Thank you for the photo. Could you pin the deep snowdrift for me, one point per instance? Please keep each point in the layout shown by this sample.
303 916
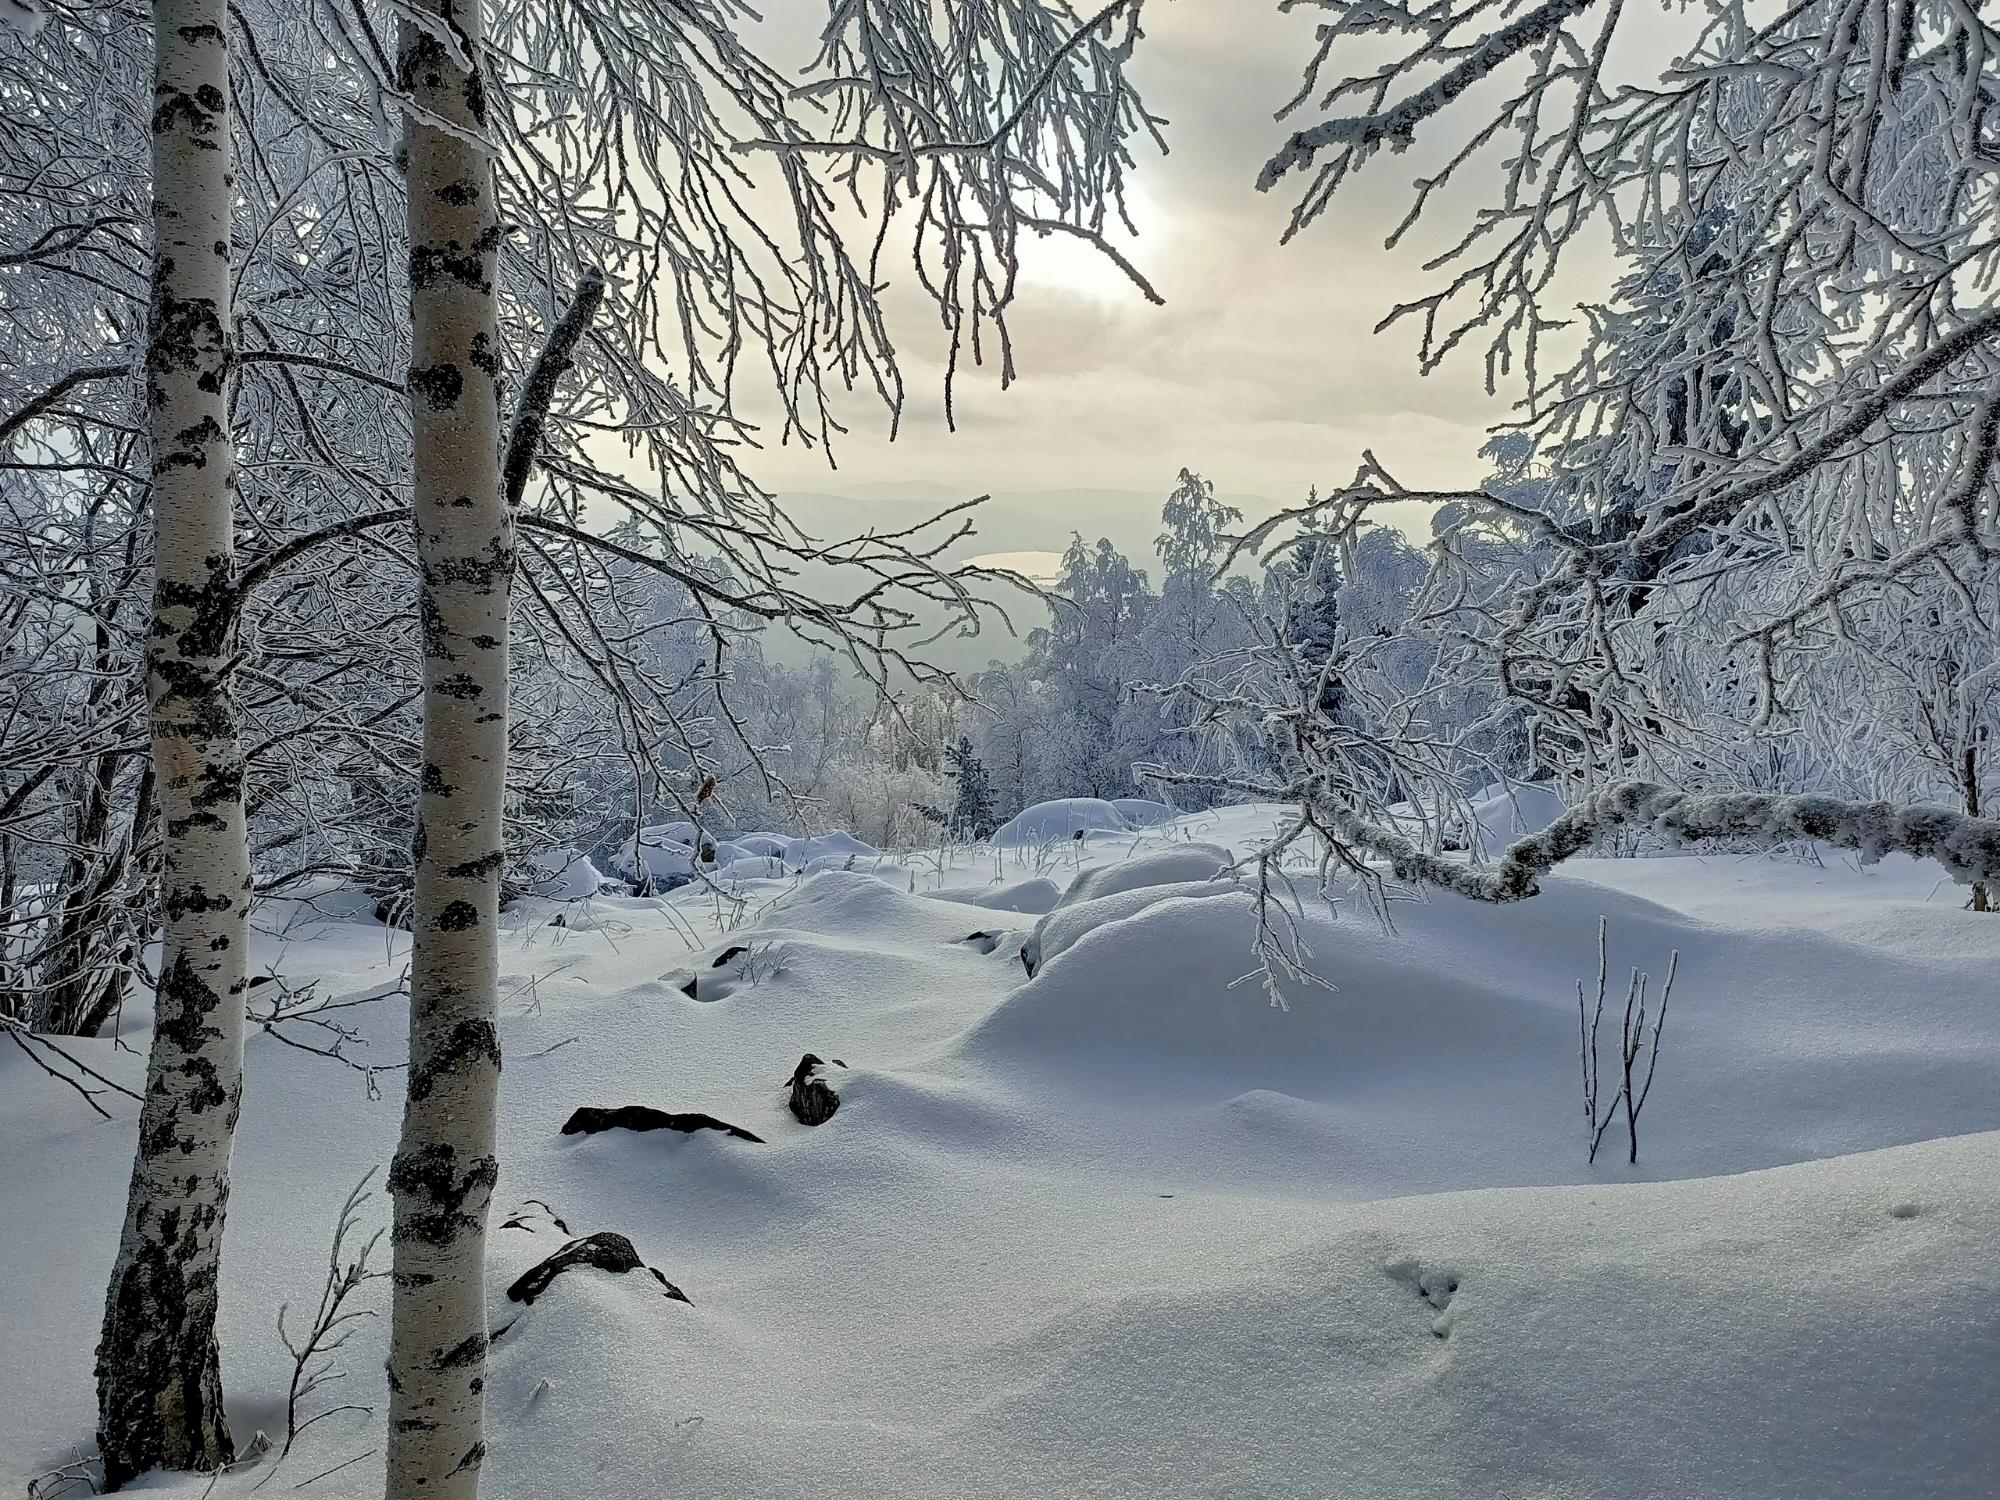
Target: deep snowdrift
1126 1229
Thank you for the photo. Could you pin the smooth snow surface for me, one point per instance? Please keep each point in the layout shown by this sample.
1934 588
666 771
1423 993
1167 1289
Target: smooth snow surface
1508 814
1127 1229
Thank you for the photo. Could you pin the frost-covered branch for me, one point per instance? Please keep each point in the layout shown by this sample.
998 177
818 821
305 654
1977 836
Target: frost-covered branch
1967 848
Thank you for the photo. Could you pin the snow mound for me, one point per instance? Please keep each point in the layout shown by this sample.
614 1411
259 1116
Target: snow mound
771 845
1143 812
841 903
672 861
1175 865
563 875
664 859
1071 922
1065 818
873 865
1467 1014
801 853
1030 897
754 867
1505 818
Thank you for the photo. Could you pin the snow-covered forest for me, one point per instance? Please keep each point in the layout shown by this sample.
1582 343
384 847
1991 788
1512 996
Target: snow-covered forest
1477 979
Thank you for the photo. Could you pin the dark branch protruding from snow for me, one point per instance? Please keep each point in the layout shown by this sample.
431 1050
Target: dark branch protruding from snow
605 1250
592 1118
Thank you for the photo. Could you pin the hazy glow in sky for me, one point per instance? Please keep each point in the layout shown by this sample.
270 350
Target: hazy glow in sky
1261 371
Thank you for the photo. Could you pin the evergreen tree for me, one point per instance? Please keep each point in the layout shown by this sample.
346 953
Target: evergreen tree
973 813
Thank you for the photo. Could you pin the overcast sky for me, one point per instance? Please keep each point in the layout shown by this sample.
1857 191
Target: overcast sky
1261 371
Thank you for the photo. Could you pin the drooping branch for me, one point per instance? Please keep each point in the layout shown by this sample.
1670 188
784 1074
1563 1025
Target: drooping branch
1968 848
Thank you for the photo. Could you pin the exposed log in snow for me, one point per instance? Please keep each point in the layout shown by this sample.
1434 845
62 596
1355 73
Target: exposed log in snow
604 1250
592 1118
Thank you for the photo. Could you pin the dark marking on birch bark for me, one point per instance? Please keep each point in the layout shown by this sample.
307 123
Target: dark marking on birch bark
438 1189
163 1373
467 1351
457 916
490 567
439 385
471 1039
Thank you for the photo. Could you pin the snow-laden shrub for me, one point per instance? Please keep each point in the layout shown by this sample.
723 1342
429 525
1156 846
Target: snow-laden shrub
1069 924
878 803
663 859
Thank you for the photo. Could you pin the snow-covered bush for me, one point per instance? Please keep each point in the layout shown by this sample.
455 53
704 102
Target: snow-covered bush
878 803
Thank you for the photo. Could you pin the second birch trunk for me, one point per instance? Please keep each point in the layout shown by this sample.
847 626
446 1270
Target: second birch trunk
445 1164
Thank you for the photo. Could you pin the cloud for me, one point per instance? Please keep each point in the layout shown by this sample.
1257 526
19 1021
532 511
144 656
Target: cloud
1263 371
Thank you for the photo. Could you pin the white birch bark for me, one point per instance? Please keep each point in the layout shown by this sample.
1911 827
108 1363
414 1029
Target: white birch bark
158 1371
445 1165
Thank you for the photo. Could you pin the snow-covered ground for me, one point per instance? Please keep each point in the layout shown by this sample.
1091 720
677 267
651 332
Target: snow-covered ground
1126 1228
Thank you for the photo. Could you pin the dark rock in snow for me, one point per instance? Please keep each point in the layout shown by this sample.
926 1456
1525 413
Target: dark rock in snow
813 1099
605 1250
592 1118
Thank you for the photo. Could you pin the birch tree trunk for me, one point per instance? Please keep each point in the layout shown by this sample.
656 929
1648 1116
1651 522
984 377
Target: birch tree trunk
158 1371
445 1165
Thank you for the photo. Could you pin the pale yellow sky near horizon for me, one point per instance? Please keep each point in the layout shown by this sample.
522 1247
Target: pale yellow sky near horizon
1262 370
